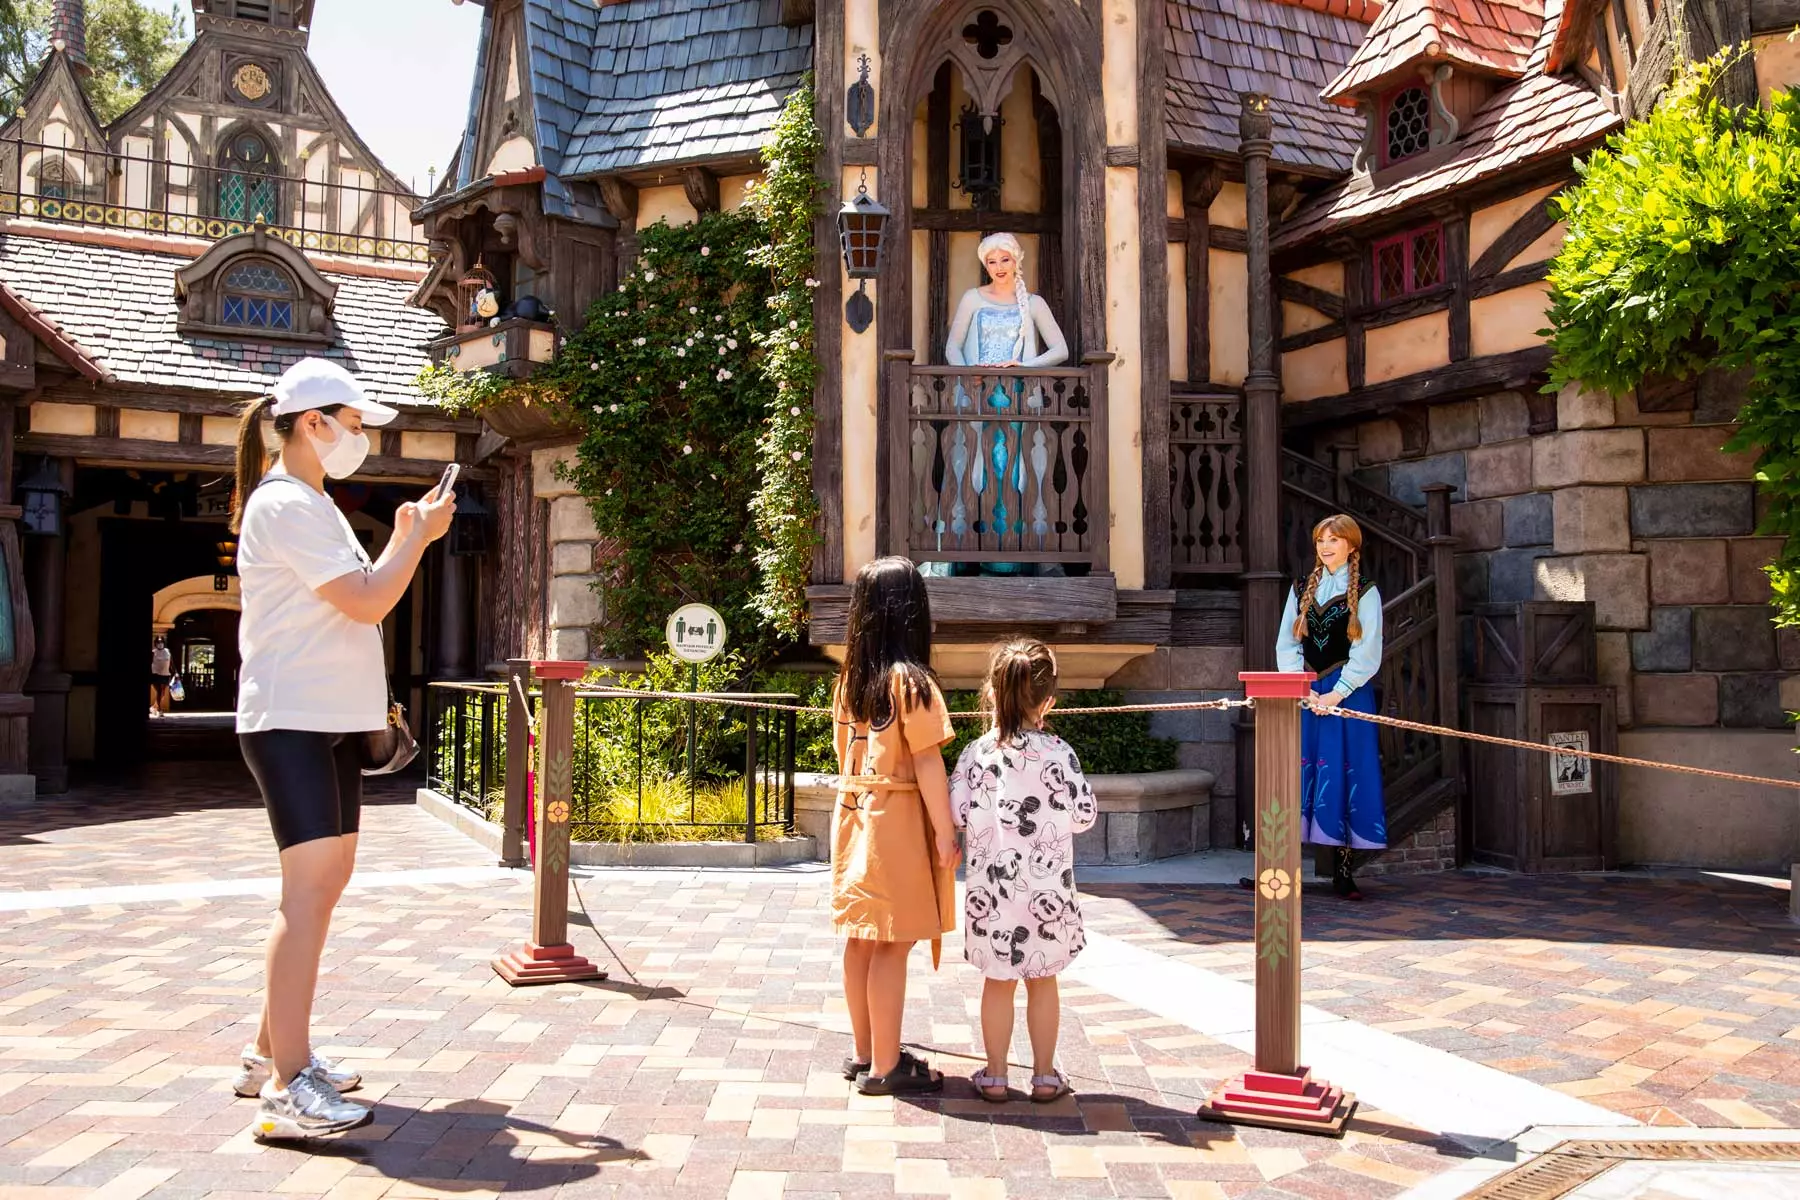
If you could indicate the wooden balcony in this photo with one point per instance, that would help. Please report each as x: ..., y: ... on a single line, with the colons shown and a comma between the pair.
x: 997, y: 465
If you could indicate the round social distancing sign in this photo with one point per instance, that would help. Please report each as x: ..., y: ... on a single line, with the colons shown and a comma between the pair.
x: 696, y: 633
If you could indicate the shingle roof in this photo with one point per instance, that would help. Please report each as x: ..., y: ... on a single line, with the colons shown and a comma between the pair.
x: 1218, y: 49
x: 1493, y: 37
x: 128, y: 326
x: 674, y: 80
x: 1539, y: 117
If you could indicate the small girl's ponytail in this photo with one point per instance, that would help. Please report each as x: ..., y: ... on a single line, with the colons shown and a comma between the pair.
x: 1021, y: 679
x: 252, y: 457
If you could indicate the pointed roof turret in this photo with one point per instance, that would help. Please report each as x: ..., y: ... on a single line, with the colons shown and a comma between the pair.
x: 68, y: 32
x: 1483, y: 37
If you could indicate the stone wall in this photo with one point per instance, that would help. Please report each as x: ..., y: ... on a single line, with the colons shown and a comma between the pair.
x: 574, y: 605
x: 1639, y: 512
x: 1432, y: 848
x: 1205, y: 739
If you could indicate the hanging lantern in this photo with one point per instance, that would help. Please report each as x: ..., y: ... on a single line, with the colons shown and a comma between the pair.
x: 860, y: 224
x: 469, y: 527
x: 42, y: 499
x: 980, y: 159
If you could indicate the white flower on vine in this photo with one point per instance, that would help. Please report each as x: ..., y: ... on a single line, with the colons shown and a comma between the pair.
x: 609, y: 491
x: 722, y: 351
x: 687, y: 449
x: 649, y: 276
x: 681, y: 352
x: 596, y: 408
x: 796, y: 456
x: 795, y: 346
x: 731, y: 343
x: 812, y: 283
x: 706, y: 252
x: 593, y: 366
x: 795, y: 324
x: 693, y: 310
x: 724, y: 374
x: 614, y: 408
x: 639, y: 341
x: 738, y: 549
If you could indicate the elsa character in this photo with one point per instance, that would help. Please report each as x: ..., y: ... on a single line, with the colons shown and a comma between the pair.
x: 1001, y: 324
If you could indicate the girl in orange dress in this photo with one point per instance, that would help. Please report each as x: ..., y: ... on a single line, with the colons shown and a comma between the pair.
x: 893, y: 845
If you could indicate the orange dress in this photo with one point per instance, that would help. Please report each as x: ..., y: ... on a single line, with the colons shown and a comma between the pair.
x: 886, y: 882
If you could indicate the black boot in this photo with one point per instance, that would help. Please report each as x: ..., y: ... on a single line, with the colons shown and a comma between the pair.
x: 1342, y: 882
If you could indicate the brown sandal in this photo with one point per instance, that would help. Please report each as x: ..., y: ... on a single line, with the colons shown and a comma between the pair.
x: 910, y: 1077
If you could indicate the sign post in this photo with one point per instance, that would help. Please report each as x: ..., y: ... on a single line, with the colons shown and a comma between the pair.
x: 547, y: 956
x: 1279, y: 1092
x: 696, y: 634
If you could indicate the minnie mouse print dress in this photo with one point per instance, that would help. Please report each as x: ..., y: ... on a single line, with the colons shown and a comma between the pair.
x: 1021, y: 803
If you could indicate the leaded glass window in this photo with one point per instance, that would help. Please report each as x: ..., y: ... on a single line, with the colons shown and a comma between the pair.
x: 248, y: 189
x: 1408, y: 124
x: 257, y: 295
x: 53, y: 179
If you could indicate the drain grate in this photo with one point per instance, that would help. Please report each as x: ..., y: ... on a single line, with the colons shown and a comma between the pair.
x: 1570, y: 1164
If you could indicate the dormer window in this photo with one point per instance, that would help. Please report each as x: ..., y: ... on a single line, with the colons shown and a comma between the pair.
x: 1409, y: 262
x: 257, y: 294
x: 255, y: 287
x: 248, y: 189
x: 1405, y: 124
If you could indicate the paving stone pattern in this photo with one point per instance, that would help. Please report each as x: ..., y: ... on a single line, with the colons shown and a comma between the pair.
x: 706, y: 1067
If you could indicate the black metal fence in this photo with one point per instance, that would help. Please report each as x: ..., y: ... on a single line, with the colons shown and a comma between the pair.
x: 717, y: 767
x: 465, y: 744
x: 154, y: 193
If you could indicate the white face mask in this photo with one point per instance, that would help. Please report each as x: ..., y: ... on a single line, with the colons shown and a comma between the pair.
x: 341, y: 457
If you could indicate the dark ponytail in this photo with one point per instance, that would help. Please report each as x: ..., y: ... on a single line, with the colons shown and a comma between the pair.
x: 1021, y: 680
x: 253, y: 456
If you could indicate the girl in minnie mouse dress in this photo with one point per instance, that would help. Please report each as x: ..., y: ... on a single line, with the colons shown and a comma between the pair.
x: 1019, y: 795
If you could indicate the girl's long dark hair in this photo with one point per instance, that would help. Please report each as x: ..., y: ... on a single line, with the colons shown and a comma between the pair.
x: 889, y: 628
x: 253, y: 456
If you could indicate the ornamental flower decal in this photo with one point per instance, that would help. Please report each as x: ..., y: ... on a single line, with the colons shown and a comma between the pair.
x: 558, y: 813
x: 1274, y: 884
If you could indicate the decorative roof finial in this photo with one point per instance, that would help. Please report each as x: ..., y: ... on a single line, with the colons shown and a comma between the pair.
x: 68, y: 32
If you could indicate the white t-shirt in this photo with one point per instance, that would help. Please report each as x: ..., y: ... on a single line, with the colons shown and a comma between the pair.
x: 305, y: 664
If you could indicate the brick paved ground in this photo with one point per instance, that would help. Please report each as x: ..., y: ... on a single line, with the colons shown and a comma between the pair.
x: 706, y: 1068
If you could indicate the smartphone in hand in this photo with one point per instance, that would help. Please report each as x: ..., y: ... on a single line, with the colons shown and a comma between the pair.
x: 445, y: 484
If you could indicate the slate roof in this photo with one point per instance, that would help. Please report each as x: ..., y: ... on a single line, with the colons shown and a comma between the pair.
x: 1539, y: 117
x: 1491, y: 37
x: 647, y: 83
x: 128, y: 326
x: 1218, y: 49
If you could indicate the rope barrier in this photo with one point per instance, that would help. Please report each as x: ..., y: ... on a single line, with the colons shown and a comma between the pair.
x: 736, y: 700
x: 1538, y: 747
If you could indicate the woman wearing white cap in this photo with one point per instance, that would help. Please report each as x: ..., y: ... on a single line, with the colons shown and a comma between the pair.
x: 313, y: 680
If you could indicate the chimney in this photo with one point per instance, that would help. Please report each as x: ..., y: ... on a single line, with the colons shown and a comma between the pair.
x: 68, y: 31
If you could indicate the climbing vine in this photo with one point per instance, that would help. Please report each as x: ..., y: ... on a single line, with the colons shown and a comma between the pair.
x: 786, y: 201
x: 1682, y: 253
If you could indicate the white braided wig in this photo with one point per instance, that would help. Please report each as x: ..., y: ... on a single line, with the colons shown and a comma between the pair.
x: 1009, y: 243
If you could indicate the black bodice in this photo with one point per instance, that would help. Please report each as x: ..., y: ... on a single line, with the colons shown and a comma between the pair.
x: 1327, y: 641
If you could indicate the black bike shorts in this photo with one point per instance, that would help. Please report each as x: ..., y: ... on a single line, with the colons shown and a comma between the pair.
x: 311, y: 782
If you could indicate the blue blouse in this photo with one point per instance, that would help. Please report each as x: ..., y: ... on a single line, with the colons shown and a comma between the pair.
x: 1365, y: 652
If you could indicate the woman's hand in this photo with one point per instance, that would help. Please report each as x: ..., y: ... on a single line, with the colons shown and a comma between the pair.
x: 948, y: 851
x: 432, y: 516
x: 1331, y: 699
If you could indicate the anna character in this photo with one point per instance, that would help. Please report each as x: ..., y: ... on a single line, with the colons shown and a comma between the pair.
x: 1331, y: 626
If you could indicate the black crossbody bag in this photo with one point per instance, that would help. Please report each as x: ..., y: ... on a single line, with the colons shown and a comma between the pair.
x: 392, y: 747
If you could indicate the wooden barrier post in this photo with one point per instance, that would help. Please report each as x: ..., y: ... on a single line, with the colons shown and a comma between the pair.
x: 547, y: 957
x: 517, y: 808
x: 1279, y: 1092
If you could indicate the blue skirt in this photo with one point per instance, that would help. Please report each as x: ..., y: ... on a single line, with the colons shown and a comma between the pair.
x: 1341, y: 802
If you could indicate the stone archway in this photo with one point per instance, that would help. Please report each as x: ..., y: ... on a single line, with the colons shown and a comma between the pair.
x: 192, y: 595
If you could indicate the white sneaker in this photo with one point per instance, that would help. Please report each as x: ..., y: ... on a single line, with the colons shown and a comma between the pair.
x: 308, y: 1107
x: 256, y: 1069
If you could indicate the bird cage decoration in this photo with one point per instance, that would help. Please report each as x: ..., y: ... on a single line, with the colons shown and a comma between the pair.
x: 478, y: 299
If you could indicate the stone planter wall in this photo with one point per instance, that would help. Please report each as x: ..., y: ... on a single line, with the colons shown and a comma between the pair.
x: 575, y: 555
x: 1142, y: 817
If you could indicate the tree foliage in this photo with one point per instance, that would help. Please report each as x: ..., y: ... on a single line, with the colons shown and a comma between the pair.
x: 1682, y: 253
x: 130, y: 45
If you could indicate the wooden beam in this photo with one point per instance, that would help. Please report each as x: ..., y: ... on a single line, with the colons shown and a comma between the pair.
x: 1312, y: 337
x: 702, y: 188
x: 1315, y: 298
x: 1199, y: 188
x: 1506, y: 280
x: 1395, y: 311
x: 134, y: 452
x: 1224, y: 237
x: 1153, y: 270
x: 797, y: 12
x: 106, y: 421
x: 1774, y: 16
x: 1530, y: 225
x: 937, y: 196
x: 1456, y: 258
x: 828, y: 301
x: 620, y: 198
x: 1495, y: 372
x: 968, y: 220
x: 1356, y: 291
x: 191, y: 426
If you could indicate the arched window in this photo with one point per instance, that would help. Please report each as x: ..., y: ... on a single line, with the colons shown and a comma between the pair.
x: 53, y: 178
x: 248, y: 188
x: 257, y: 294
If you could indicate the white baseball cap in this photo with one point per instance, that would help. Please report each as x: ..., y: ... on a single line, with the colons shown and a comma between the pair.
x: 320, y: 383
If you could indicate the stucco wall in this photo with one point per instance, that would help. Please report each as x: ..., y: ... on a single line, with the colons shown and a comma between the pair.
x: 1681, y: 820
x: 1777, y: 63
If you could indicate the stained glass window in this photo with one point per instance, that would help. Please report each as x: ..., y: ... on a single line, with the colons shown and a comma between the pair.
x: 247, y: 187
x: 53, y: 179
x: 1409, y: 262
x: 257, y: 295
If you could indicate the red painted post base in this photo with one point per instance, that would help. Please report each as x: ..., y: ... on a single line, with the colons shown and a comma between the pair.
x: 531, y: 964
x: 1298, y: 1103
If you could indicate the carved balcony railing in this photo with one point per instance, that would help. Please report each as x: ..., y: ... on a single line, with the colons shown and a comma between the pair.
x: 1206, y: 483
x: 351, y: 218
x: 997, y: 465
